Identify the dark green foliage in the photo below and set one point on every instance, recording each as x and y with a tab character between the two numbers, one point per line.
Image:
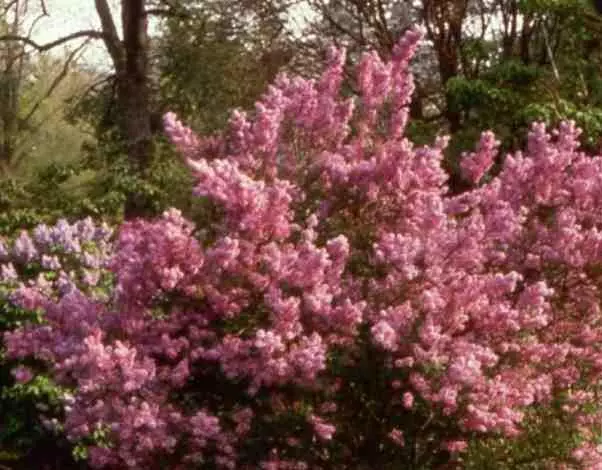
220	56
547	438
22	433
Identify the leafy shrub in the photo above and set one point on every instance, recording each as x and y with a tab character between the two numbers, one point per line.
341	309
51	260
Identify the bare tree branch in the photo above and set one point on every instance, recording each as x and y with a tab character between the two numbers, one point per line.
55	83
337	25
91	88
35	22
110	36
93	34
173	13
44	8
9	6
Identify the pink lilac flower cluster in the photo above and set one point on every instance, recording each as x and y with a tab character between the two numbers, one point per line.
346	306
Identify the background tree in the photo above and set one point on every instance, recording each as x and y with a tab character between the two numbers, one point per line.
130	61
497	64
220	55
29	88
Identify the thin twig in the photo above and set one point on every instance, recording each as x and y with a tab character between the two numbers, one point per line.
44	8
549	50
55	83
93	34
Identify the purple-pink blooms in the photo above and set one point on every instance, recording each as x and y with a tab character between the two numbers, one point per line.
338	243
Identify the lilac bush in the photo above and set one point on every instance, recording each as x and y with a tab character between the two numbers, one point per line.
343	310
44	263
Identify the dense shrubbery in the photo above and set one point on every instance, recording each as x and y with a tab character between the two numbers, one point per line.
51	260
341	309
96	187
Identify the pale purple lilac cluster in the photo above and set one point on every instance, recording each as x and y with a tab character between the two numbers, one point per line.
50	261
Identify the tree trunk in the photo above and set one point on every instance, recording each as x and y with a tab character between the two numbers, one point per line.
130	60
134	98
443	21
9	94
